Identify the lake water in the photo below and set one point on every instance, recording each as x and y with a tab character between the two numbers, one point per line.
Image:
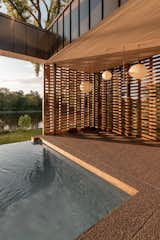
10	120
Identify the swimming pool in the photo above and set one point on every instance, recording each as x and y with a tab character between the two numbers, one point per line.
44	196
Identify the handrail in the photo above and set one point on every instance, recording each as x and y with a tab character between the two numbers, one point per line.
60	14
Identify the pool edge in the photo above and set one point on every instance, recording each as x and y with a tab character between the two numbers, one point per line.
108	178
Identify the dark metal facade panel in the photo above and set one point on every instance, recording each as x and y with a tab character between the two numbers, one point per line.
21	38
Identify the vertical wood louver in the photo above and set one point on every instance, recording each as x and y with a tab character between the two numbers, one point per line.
123	105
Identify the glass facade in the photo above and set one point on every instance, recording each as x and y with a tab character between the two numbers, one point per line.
55	30
67	26
74	20
109	6
95	12
60	32
84	16
80	16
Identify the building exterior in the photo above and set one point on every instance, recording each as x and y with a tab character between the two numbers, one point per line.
87	38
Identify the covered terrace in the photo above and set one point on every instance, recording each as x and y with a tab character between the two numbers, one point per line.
114	129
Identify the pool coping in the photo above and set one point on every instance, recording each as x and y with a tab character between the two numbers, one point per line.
103	175
133	162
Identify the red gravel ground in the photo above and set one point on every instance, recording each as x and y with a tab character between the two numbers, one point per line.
132	161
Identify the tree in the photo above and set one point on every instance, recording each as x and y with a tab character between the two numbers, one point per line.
18	101
24	122
41	13
2	124
38	12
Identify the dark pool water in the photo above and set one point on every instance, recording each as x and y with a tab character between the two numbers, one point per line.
44	196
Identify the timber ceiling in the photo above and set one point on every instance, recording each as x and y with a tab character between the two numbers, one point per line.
135	27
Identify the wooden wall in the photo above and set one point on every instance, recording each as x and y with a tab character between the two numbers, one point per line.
124	105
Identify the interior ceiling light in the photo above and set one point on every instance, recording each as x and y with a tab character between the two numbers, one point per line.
86	87
107	75
138	71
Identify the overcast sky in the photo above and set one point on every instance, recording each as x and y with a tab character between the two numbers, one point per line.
19	75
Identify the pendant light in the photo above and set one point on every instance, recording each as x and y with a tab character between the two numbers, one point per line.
107	75
86	87
138	70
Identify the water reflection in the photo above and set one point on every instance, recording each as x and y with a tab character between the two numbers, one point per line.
28	182
42	175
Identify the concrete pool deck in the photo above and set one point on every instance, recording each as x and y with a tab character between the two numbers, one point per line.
133	162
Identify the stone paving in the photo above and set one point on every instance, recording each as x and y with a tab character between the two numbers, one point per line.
134	162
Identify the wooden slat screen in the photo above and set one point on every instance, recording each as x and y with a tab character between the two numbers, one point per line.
123	105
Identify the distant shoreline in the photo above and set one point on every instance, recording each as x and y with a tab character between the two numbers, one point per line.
15	112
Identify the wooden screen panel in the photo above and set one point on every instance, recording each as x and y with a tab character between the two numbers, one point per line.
126	103
87	103
156	79
122	105
72	99
58	100
78	99
103	93
97	99
82	96
134	107
145	101
92	101
46	101
109	106
117	101
49	73
64	100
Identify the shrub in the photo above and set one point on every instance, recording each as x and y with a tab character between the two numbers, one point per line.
24	121
1	125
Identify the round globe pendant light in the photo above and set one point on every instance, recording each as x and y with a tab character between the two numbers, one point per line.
138	71
86	87
107	75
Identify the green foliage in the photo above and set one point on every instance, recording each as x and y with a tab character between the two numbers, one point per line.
18	101
40	12
24	122
19	136
1	125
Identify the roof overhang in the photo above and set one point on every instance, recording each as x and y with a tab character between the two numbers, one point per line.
135	27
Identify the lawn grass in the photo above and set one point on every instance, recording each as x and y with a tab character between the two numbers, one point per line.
18	136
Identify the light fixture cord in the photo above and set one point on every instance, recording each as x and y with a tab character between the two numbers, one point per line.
139	45
123	63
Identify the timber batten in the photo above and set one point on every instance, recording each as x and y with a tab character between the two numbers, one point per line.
123	105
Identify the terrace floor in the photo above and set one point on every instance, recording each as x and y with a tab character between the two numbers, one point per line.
134	162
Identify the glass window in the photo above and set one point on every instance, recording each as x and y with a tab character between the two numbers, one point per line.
54	44
54	28
84	16
109	6
60	32
74	20
96	12
123	1
67	26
